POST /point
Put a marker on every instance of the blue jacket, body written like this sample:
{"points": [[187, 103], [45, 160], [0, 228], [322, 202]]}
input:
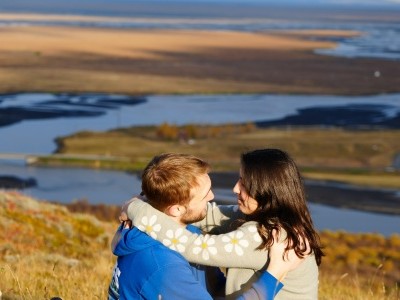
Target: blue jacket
{"points": [[146, 269]]}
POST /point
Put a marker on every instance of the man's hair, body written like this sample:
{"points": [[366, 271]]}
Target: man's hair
{"points": [[169, 177]]}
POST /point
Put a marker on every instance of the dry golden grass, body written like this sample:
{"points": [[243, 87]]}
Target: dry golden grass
{"points": [[384, 180], [331, 147], [45, 275], [336, 285], [47, 251]]}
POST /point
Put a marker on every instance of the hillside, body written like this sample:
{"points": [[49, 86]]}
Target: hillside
{"points": [[46, 250]]}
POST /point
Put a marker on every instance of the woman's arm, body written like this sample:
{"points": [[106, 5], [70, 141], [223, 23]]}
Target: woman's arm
{"points": [[233, 249], [219, 218]]}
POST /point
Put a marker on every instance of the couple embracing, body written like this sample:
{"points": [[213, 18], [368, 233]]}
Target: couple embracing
{"points": [[264, 247]]}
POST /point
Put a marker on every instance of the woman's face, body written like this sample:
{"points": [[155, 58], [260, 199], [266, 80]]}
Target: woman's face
{"points": [[247, 205]]}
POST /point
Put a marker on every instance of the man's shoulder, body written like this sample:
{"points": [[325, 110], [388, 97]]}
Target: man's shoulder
{"points": [[156, 256], [162, 255], [152, 260]]}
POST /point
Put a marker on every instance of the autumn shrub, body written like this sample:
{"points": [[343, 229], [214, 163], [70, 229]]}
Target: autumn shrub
{"points": [[168, 131], [367, 256]]}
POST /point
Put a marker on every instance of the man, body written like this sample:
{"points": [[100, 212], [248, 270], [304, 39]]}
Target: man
{"points": [[179, 186]]}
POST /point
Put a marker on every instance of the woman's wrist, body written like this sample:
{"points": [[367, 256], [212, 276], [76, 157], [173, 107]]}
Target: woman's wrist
{"points": [[277, 272]]}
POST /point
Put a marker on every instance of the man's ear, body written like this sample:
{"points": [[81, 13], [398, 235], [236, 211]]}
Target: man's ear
{"points": [[176, 210]]}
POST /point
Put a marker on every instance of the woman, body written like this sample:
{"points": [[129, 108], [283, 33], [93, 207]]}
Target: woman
{"points": [[270, 197]]}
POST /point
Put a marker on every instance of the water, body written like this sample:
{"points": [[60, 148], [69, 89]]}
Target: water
{"points": [[65, 185], [332, 218], [68, 184], [101, 112], [379, 26], [34, 134], [377, 41]]}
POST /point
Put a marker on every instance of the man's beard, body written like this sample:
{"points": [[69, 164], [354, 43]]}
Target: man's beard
{"points": [[190, 218]]}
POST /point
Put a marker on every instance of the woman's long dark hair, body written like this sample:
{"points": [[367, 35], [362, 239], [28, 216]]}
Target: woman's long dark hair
{"points": [[271, 177]]}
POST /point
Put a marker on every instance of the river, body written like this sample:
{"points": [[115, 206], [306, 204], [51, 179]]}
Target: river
{"points": [[43, 117], [110, 187], [32, 134]]}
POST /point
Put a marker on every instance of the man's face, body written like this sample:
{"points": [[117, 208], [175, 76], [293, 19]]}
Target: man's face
{"points": [[196, 209]]}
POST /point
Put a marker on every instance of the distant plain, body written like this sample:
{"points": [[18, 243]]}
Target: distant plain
{"points": [[154, 61]]}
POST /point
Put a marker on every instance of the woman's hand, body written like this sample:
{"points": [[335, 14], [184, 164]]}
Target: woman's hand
{"points": [[280, 262], [123, 216]]}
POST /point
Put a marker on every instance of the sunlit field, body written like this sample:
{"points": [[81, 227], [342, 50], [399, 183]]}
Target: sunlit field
{"points": [[48, 251]]}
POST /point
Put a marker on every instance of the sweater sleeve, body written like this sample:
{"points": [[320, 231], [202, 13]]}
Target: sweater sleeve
{"points": [[266, 287], [235, 249], [219, 217], [158, 286]]}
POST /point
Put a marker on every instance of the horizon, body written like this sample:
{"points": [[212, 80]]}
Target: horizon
{"points": [[39, 5], [292, 10]]}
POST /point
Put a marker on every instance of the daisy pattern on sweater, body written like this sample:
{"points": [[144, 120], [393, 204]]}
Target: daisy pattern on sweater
{"points": [[206, 246], [256, 235], [175, 240], [234, 242], [149, 226]]}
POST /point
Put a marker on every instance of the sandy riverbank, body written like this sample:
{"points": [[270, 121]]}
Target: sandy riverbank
{"points": [[73, 59]]}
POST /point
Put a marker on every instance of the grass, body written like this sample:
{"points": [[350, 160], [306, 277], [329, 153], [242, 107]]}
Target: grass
{"points": [[335, 285], [47, 251], [42, 276], [372, 179], [359, 157]]}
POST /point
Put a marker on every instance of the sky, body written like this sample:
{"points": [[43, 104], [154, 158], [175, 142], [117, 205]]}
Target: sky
{"points": [[270, 2], [308, 2], [199, 8]]}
